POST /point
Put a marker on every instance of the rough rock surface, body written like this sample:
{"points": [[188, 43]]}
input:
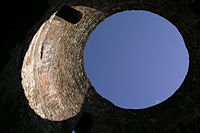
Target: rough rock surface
{"points": [[44, 88]]}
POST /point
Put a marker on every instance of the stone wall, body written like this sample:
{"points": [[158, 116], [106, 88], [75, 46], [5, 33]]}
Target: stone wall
{"points": [[44, 88]]}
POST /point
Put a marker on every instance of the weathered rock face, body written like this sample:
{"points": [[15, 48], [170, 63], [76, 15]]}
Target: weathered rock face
{"points": [[45, 89]]}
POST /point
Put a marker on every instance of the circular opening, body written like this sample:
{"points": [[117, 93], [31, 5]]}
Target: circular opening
{"points": [[136, 59]]}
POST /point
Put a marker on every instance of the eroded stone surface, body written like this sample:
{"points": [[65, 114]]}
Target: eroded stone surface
{"points": [[52, 73]]}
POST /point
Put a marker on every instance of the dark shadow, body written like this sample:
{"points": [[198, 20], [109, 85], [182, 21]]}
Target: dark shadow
{"points": [[69, 14], [18, 17], [85, 124], [195, 7]]}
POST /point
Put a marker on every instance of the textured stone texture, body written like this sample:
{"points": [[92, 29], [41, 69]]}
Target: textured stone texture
{"points": [[49, 66]]}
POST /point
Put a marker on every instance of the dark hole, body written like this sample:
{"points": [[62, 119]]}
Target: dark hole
{"points": [[69, 14]]}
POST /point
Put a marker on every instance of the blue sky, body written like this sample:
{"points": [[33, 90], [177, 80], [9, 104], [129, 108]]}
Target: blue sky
{"points": [[136, 59]]}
